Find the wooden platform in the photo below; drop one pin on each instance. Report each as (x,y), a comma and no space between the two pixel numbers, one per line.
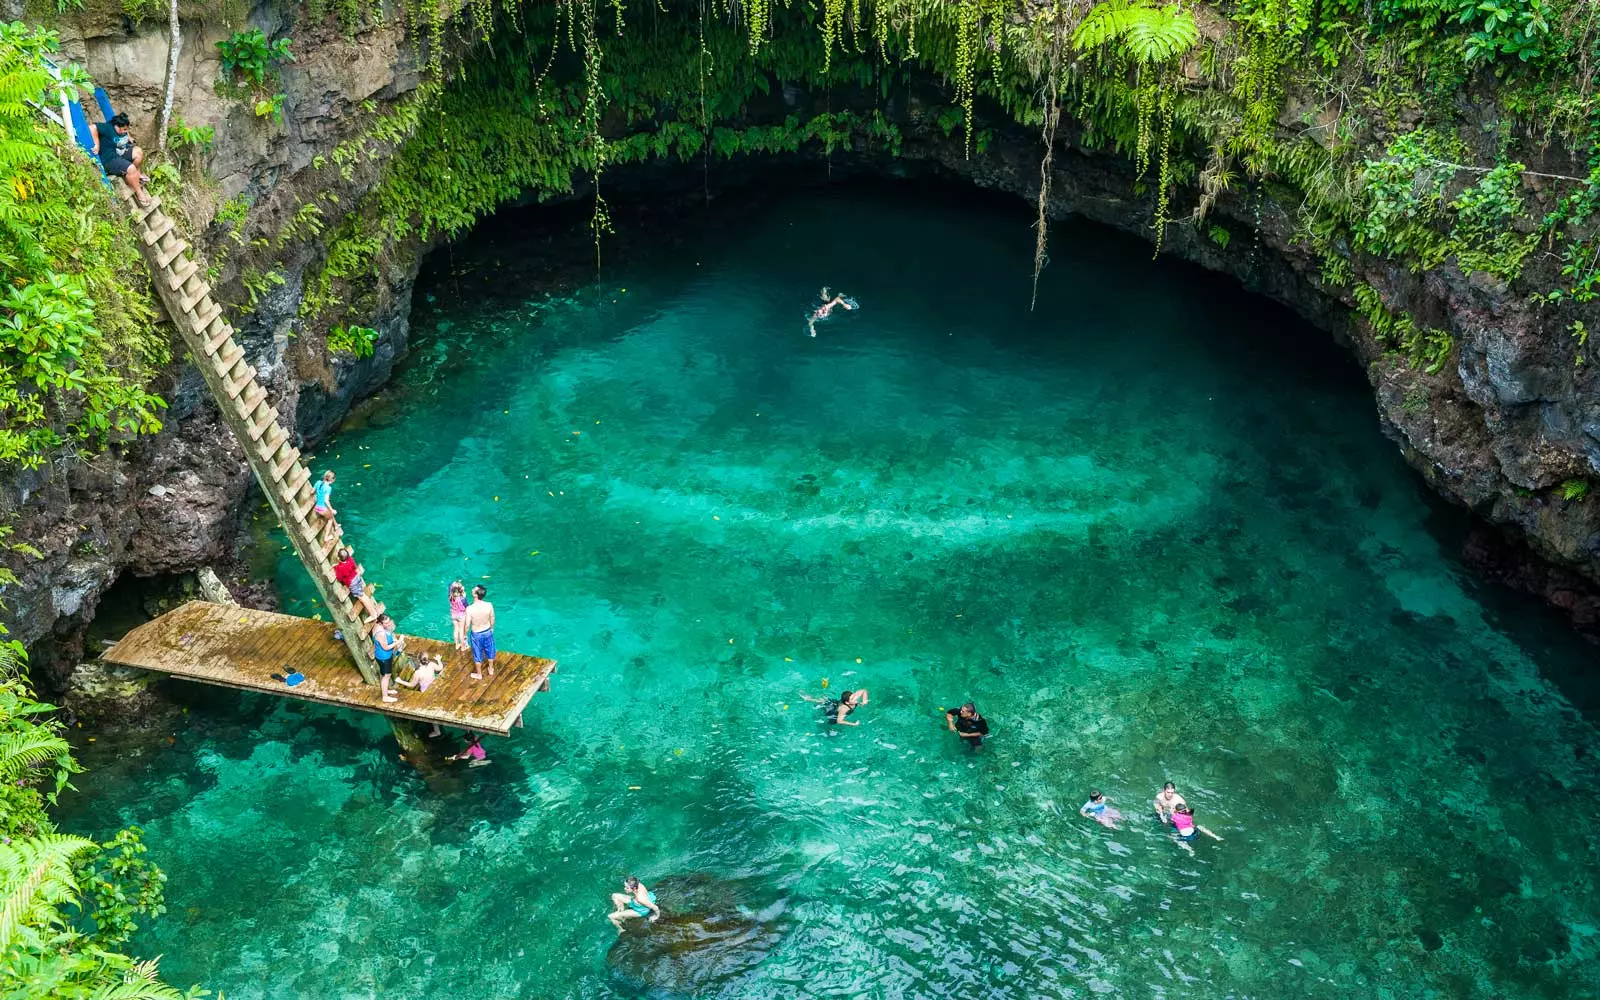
(242,648)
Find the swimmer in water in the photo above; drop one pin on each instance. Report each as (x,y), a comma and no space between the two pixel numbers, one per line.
(1184,827)
(835,711)
(826,309)
(1099,809)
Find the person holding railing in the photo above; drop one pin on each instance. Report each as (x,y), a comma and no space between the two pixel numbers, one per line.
(113,143)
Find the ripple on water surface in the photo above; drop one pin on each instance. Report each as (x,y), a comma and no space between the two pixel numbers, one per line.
(1152,528)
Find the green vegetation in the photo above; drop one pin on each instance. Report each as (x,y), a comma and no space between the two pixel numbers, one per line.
(247,56)
(354,340)
(67,904)
(77,332)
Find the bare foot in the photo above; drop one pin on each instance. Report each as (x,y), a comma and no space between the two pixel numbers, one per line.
(390,697)
(476,677)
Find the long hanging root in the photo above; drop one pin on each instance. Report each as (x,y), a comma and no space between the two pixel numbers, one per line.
(1052,118)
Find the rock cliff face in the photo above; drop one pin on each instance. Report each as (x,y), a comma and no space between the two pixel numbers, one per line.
(1496,430)
(176,501)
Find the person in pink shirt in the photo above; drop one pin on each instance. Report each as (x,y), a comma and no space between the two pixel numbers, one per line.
(458,613)
(474,752)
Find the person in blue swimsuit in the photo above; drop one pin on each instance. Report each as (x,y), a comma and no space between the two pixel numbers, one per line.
(634,901)
(385,647)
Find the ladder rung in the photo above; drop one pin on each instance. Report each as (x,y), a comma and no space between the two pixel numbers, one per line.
(258,427)
(182,273)
(234,386)
(287,463)
(268,446)
(166,257)
(225,365)
(188,303)
(142,213)
(252,398)
(203,323)
(357,612)
(297,482)
(331,546)
(224,333)
(156,230)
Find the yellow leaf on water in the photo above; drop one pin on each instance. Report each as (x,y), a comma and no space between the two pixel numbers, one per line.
(858,659)
(634,788)
(788,659)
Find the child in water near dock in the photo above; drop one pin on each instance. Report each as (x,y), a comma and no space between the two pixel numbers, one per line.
(634,901)
(473,753)
(458,613)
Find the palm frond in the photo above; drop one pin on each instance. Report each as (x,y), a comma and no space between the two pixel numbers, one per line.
(35,878)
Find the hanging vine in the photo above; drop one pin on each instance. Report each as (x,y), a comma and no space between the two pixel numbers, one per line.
(1151,40)
(832,23)
(1051,103)
(968,24)
(593,105)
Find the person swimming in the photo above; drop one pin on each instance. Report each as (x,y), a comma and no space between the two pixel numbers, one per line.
(825,310)
(1099,809)
(835,711)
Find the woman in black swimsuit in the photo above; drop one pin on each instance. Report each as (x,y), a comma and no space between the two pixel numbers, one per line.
(837,710)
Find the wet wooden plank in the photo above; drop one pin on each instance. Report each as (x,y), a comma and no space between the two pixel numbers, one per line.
(242,648)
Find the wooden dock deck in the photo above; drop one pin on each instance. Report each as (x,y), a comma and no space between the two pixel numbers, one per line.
(242,648)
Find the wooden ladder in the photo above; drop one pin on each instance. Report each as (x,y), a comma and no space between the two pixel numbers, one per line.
(252,418)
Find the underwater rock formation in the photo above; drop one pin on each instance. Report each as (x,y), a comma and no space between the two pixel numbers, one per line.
(706,936)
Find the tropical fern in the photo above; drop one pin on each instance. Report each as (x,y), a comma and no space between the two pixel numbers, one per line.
(1146,34)
(36,878)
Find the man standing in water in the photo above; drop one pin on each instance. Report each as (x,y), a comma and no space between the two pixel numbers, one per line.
(480,631)
(1167,802)
(966,723)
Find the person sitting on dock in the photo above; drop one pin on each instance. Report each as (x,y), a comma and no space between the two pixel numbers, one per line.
(835,711)
(385,647)
(324,502)
(480,632)
(473,752)
(634,901)
(427,670)
(119,157)
(348,572)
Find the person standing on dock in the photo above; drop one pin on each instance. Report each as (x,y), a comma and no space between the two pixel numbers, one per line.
(480,632)
(385,647)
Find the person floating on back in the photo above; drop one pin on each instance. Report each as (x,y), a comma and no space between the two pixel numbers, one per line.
(385,647)
(633,901)
(825,310)
(835,711)
(1167,801)
(348,572)
(479,624)
(323,507)
(1100,809)
(119,157)
(458,614)
(966,723)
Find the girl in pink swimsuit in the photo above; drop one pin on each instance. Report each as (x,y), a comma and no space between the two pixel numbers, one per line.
(458,613)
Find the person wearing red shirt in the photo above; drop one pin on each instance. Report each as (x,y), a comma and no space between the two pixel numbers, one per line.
(348,573)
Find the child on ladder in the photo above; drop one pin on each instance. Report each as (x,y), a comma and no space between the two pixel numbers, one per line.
(324,505)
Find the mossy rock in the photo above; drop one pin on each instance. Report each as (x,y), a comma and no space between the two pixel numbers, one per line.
(706,937)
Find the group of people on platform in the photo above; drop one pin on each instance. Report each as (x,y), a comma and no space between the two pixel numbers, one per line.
(473,624)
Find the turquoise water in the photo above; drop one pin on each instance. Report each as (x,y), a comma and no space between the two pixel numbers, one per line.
(1152,528)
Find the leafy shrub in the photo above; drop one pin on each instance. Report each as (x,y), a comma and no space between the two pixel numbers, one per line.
(182,135)
(357,341)
(1574,490)
(248,55)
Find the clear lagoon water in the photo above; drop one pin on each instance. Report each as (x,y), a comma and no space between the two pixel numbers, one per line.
(1151,528)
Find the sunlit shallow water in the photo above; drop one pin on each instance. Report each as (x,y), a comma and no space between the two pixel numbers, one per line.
(1151,528)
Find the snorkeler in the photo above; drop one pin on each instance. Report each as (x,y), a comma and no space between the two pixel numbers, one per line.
(1099,809)
(634,901)
(826,308)
(835,711)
